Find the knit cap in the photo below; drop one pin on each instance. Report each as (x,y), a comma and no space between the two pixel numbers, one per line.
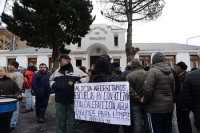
(158,57)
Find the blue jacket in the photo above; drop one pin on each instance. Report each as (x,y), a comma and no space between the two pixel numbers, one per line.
(62,82)
(40,84)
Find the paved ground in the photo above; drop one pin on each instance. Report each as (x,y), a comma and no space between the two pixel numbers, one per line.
(28,122)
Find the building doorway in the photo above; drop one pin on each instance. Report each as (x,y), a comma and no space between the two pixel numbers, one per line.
(93,60)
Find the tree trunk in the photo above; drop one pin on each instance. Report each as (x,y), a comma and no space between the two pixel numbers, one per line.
(55,55)
(129,54)
(129,14)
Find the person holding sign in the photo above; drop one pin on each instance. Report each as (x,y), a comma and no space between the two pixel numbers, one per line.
(103,72)
(158,97)
(62,82)
(136,81)
(7,88)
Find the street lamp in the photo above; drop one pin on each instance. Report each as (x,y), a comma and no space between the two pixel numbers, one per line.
(191,38)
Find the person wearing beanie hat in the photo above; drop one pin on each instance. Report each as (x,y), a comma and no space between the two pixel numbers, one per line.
(183,119)
(158,95)
(158,57)
(18,78)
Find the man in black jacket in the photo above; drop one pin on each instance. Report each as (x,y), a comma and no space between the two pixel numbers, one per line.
(191,95)
(183,112)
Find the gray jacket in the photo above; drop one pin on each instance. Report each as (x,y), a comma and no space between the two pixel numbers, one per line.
(136,81)
(159,89)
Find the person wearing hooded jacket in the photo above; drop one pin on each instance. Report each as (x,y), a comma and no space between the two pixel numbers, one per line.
(158,91)
(136,81)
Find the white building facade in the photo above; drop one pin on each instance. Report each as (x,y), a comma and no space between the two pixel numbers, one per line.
(105,39)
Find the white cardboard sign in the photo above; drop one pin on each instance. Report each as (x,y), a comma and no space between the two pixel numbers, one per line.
(106,102)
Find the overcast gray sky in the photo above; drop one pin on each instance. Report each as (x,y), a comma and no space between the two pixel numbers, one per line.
(178,22)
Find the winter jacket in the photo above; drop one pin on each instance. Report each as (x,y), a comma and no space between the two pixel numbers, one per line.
(179,104)
(40,84)
(63,83)
(159,88)
(136,81)
(104,78)
(177,84)
(28,76)
(190,94)
(8,87)
(17,77)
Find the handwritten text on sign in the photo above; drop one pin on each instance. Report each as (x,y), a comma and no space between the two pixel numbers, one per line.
(106,102)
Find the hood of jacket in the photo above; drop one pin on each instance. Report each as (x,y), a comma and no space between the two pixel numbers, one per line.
(136,64)
(163,67)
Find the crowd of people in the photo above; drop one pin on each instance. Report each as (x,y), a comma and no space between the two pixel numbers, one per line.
(161,97)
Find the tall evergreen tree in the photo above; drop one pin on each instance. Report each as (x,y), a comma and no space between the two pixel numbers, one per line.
(50,23)
(126,11)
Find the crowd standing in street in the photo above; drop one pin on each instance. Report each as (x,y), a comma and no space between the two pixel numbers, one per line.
(41,88)
(62,82)
(156,93)
(18,78)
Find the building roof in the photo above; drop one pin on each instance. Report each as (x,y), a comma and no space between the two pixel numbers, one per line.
(29,50)
(141,46)
(164,46)
(114,27)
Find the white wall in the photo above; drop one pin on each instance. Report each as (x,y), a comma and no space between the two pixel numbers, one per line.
(22,60)
(3,61)
(42,59)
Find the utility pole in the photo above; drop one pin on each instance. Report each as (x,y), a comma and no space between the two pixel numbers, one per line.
(10,40)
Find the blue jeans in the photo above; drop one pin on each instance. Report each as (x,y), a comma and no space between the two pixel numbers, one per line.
(29,99)
(138,118)
(65,115)
(15,116)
